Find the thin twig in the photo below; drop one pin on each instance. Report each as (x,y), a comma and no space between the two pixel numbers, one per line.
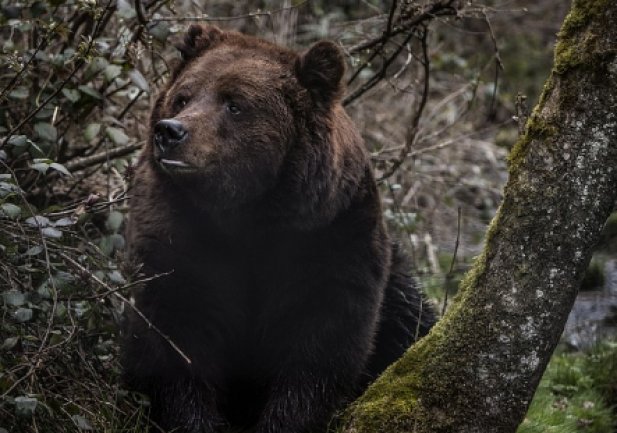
(139,11)
(498,62)
(121,297)
(451,271)
(377,51)
(207,18)
(415,123)
(377,77)
(79,64)
(127,286)
(54,292)
(433,11)
(522,113)
(24,67)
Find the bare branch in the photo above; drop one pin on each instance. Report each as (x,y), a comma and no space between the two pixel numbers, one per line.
(206,18)
(128,303)
(98,158)
(415,123)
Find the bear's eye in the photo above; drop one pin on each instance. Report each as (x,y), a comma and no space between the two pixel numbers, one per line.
(180,102)
(233,108)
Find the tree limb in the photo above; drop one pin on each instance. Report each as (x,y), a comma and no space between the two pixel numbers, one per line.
(478,369)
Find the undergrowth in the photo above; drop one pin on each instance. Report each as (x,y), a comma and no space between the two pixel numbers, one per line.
(577,394)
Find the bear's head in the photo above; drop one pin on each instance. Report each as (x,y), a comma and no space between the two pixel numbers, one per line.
(245,121)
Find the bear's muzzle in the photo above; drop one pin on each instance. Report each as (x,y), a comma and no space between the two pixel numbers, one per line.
(169,133)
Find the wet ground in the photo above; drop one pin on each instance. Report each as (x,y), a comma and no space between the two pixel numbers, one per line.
(594,316)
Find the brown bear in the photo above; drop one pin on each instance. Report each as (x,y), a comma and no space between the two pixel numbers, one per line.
(255,207)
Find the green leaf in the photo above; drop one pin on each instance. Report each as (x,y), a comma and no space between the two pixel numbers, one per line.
(117,136)
(118,241)
(35,150)
(60,310)
(14,298)
(116,277)
(22,315)
(46,131)
(9,344)
(66,221)
(55,339)
(71,94)
(41,167)
(20,92)
(138,79)
(97,65)
(8,189)
(81,308)
(160,31)
(25,406)
(112,71)
(87,90)
(106,245)
(18,141)
(63,280)
(43,290)
(52,232)
(114,221)
(24,26)
(45,113)
(92,130)
(38,221)
(45,160)
(59,167)
(125,10)
(81,422)
(10,210)
(33,251)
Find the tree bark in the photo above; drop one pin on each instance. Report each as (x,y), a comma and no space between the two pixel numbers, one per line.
(478,369)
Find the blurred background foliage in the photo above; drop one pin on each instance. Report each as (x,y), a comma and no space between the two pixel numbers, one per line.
(439,104)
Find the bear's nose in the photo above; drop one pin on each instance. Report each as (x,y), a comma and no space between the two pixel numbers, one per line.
(168,133)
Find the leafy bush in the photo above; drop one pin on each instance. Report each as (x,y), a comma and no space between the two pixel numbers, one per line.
(75,81)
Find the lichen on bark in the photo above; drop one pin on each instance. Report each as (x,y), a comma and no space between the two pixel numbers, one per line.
(477,370)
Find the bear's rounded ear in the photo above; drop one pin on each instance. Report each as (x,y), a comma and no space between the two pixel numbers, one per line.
(197,39)
(320,69)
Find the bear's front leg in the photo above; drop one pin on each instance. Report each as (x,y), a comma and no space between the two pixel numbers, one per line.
(321,360)
(185,406)
(303,403)
(181,400)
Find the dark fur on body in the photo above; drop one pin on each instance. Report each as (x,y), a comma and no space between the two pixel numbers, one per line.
(284,288)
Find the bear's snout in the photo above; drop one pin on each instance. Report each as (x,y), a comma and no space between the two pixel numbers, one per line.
(168,133)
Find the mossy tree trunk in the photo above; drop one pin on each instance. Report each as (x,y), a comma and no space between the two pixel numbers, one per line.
(478,370)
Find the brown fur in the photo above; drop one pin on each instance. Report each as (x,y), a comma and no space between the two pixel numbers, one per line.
(282,278)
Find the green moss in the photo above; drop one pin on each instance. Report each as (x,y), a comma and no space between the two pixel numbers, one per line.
(390,398)
(581,14)
(537,128)
(391,403)
(573,50)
